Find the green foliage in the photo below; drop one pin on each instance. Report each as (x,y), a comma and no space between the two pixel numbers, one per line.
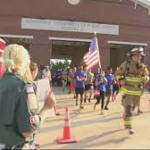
(60,65)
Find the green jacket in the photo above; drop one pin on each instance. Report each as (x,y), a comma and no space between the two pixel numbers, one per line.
(16,116)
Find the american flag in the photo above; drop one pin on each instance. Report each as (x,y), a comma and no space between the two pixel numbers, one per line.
(91,58)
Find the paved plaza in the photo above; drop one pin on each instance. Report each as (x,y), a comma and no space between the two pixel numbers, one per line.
(95,131)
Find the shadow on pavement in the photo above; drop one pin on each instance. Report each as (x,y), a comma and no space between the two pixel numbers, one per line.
(93,141)
(97,140)
(84,122)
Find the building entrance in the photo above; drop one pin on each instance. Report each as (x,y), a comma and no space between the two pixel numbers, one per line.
(18,40)
(69,49)
(118,53)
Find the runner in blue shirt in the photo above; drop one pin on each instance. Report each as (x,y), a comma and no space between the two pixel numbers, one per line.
(100,82)
(80,77)
(109,87)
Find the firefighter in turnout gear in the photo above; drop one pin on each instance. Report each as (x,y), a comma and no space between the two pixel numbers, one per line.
(133,75)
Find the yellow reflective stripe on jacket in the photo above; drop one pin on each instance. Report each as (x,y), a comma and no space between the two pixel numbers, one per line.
(130,92)
(119,77)
(134,79)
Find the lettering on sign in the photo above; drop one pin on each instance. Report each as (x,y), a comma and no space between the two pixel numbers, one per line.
(70,26)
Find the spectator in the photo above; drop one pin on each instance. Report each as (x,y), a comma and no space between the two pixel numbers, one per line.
(21,119)
(46,73)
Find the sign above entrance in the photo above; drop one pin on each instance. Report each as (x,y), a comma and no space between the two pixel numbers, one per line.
(69,26)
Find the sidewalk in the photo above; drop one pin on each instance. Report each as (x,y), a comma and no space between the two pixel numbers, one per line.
(95,131)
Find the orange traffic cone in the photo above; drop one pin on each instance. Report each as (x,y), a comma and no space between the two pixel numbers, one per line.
(67,138)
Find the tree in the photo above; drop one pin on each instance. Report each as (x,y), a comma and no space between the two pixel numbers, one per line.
(60,65)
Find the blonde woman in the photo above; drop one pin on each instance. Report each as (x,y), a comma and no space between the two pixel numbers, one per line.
(18,105)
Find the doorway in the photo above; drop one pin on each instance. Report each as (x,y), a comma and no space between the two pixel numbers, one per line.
(118,53)
(22,40)
(66,53)
(71,50)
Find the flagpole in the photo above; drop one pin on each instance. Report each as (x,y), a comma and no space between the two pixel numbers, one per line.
(99,62)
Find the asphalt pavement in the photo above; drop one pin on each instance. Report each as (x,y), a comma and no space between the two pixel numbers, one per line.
(93,130)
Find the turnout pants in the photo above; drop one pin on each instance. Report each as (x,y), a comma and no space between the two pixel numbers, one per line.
(129,102)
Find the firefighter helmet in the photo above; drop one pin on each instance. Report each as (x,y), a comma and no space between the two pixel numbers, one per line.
(137,50)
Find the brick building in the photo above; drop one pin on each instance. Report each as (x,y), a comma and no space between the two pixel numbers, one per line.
(59,29)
